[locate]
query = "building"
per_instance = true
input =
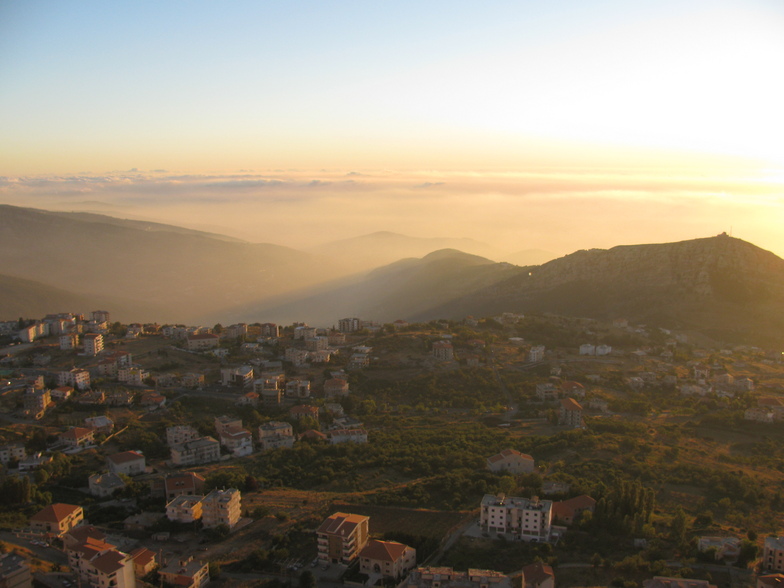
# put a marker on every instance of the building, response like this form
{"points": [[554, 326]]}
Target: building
{"points": [[770, 581], [569, 511], [36, 401], [185, 508], [347, 436], [303, 410], [79, 379], [202, 341], [104, 485], [144, 561], [100, 424], [9, 453], [341, 537], [185, 484], [389, 558], [77, 437], [130, 463], [14, 571], [336, 388], [276, 434], [773, 554], [222, 507], [512, 461], [237, 376], [528, 520], [238, 441], [197, 451], [349, 325], [180, 434], [449, 578], [297, 390], [133, 376], [538, 575], [443, 351], [186, 573], [69, 341], [93, 344], [536, 354], [724, 547], [570, 413], [57, 519]]}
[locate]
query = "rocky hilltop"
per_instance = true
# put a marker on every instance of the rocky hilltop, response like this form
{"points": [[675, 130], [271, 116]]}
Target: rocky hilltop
{"points": [[721, 285]]}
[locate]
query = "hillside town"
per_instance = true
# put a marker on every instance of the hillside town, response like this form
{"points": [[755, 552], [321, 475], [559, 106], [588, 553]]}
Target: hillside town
{"points": [[568, 452]]}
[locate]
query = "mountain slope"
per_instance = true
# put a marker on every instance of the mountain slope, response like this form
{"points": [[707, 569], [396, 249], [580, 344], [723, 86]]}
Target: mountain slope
{"points": [[399, 290], [719, 285], [190, 273]]}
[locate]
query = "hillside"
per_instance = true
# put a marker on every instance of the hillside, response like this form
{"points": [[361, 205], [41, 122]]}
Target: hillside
{"points": [[193, 275], [719, 285], [398, 290]]}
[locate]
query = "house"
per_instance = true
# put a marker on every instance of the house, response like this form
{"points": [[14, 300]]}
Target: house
{"points": [[142, 521], [238, 441], [546, 391], [185, 573], [573, 389], [389, 558], [538, 575], [303, 410], [120, 398], [298, 357], [570, 413], [57, 519], [197, 451], [237, 376], [297, 389], [665, 582], [347, 436], [144, 561], [528, 520], [336, 388], [61, 392], [773, 554], [569, 511], [9, 453], [276, 434], [104, 485], [313, 435], [221, 507], [443, 577], [152, 400], [202, 341], [100, 424], [77, 437], [15, 571], [185, 484], [512, 461], [341, 537], [443, 351], [133, 376], [248, 399], [130, 463], [185, 508], [33, 462], [180, 434], [100, 564], [587, 349]]}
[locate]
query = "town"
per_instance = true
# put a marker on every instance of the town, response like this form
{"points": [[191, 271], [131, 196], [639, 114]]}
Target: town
{"points": [[508, 451]]}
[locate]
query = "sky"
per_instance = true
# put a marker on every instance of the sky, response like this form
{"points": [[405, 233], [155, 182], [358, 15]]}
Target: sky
{"points": [[556, 125]]}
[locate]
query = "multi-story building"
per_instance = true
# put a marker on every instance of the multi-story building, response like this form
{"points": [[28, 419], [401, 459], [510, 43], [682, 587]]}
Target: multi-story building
{"points": [[298, 357], [93, 344], [77, 437], [14, 571], [9, 453], [202, 341], [79, 379], [69, 341], [336, 388], [443, 351], [349, 325], [186, 484], [238, 441], [197, 451], [520, 518], [570, 413], [773, 554], [100, 316], [276, 434], [36, 401], [57, 519], [341, 537], [347, 436], [185, 508], [185, 573], [179, 434], [222, 507], [237, 376], [297, 390], [133, 376]]}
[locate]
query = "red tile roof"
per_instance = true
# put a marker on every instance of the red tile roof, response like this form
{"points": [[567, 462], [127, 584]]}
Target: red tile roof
{"points": [[54, 513], [390, 551], [125, 457], [341, 524]]}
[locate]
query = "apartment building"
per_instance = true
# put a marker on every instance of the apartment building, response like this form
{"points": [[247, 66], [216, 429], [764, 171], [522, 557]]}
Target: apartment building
{"points": [[522, 518], [195, 452], [222, 507], [341, 537]]}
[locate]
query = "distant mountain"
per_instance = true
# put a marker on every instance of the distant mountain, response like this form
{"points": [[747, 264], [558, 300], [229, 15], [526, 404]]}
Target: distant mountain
{"points": [[721, 286], [399, 290], [384, 247], [191, 274]]}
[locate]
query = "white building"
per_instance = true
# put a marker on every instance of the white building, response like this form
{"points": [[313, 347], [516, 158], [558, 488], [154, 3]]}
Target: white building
{"points": [[221, 507], [198, 451], [528, 520]]}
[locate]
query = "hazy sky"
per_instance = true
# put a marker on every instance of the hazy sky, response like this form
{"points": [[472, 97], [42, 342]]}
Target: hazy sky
{"points": [[558, 125]]}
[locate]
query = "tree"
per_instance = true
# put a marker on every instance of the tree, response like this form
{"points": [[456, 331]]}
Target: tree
{"points": [[307, 580], [678, 527]]}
